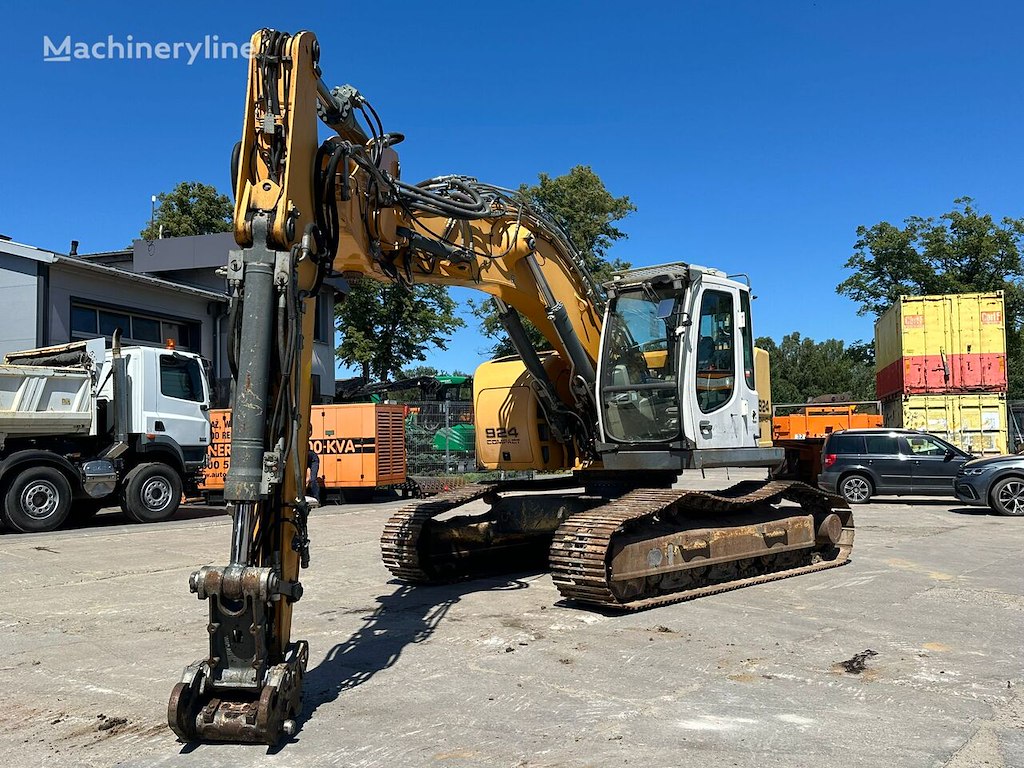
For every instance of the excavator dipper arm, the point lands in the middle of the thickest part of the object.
(249, 686)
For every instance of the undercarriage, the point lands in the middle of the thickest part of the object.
(627, 550)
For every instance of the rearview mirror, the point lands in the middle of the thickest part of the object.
(665, 308)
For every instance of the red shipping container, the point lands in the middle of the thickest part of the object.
(942, 374)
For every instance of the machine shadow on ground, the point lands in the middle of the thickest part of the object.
(408, 615)
(111, 517)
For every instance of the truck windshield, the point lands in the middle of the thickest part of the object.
(639, 390)
(181, 377)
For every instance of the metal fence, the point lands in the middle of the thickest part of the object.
(440, 438)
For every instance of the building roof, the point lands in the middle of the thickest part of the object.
(120, 252)
(85, 265)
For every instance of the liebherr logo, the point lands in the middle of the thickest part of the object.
(210, 48)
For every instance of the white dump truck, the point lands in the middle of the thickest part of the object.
(83, 427)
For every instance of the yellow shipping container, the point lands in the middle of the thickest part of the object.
(976, 423)
(930, 326)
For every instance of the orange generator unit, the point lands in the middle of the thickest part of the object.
(801, 429)
(361, 448)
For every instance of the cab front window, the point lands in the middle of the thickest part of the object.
(639, 394)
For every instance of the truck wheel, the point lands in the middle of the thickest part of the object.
(1008, 497)
(152, 493)
(38, 500)
(856, 489)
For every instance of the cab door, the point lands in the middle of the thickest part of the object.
(182, 400)
(720, 395)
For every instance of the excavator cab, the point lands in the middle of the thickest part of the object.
(676, 382)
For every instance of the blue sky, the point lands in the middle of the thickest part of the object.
(754, 137)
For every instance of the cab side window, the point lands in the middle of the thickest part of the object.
(748, 340)
(181, 378)
(716, 356)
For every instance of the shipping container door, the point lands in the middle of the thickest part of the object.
(984, 426)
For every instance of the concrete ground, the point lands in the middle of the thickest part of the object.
(98, 623)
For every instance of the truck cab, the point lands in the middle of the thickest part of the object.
(83, 427)
(168, 403)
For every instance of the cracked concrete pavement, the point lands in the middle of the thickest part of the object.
(99, 622)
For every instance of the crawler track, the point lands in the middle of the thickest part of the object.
(401, 540)
(723, 540)
(584, 545)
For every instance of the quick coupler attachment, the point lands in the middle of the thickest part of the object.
(238, 693)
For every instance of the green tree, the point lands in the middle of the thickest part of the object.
(960, 252)
(417, 371)
(583, 206)
(580, 202)
(385, 326)
(803, 368)
(191, 208)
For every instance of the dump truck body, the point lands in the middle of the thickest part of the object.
(85, 427)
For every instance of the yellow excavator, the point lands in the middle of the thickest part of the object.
(650, 374)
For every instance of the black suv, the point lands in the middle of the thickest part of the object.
(861, 463)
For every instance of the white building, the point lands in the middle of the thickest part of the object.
(155, 291)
